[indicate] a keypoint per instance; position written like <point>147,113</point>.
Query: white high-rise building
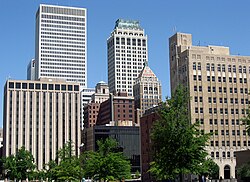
<point>61,50</point>
<point>127,52</point>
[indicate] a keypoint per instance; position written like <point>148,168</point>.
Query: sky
<point>213,22</point>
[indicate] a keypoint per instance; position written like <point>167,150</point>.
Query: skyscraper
<point>127,51</point>
<point>61,45</point>
<point>147,90</point>
<point>218,84</point>
<point>42,116</point>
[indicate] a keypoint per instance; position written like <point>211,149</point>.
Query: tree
<point>178,145</point>
<point>244,171</point>
<point>106,163</point>
<point>210,168</point>
<point>21,166</point>
<point>246,120</point>
<point>69,167</point>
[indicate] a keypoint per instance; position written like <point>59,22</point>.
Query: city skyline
<point>210,23</point>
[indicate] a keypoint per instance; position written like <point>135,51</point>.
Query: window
<point>195,88</point>
<point>208,67</point>
<point>235,80</point>
<point>234,68</point>
<point>209,99</point>
<point>194,66</point>
<point>199,66</point>
<point>219,79</point>
<point>213,78</point>
<point>195,77</point>
<point>224,79</point>
<point>228,154</point>
<point>201,100</point>
<point>229,68</point>
<point>199,77</point>
<point>212,67</point>
<point>201,110</point>
<point>208,78</point>
<point>215,111</point>
<point>196,110</point>
<point>195,99</point>
<point>200,88</point>
<point>208,89</point>
<point>225,100</point>
<point>214,89</point>
<point>214,100</point>
<point>218,67</point>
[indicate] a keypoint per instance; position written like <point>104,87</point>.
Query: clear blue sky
<point>213,22</point>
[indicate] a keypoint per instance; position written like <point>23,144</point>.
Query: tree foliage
<point>106,163</point>
<point>69,167</point>
<point>210,168</point>
<point>244,171</point>
<point>20,166</point>
<point>178,145</point>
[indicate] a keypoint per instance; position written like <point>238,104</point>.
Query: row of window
<point>222,121</point>
<point>129,41</point>
<point>213,89</point>
<point>220,79</point>
<point>226,132</point>
<point>63,22</point>
<point>64,41</point>
<point>221,110</point>
<point>223,154</point>
<point>53,62</point>
<point>60,27</point>
<point>221,100</point>
<point>68,18</point>
<point>62,49</point>
<point>227,143</point>
<point>221,67</point>
<point>43,86</point>
<point>60,45</point>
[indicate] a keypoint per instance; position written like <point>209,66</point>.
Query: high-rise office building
<point>31,70</point>
<point>147,90</point>
<point>42,116</point>
<point>218,84</point>
<point>127,51</point>
<point>61,43</point>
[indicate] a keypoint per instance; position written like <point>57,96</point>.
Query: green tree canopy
<point>69,167</point>
<point>106,163</point>
<point>20,166</point>
<point>244,171</point>
<point>178,145</point>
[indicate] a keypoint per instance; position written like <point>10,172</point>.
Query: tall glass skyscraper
<point>127,52</point>
<point>61,50</point>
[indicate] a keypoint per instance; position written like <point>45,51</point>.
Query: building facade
<point>31,70</point>
<point>41,116</point>
<point>127,51</point>
<point>118,108</point>
<point>101,92</point>
<point>147,90</point>
<point>86,98</point>
<point>218,84</point>
<point>61,43</point>
<point>127,137</point>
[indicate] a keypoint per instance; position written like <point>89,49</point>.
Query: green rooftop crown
<point>128,24</point>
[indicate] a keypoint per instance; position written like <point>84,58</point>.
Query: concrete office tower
<point>42,116</point>
<point>101,92</point>
<point>218,84</point>
<point>147,90</point>
<point>31,70</point>
<point>61,43</point>
<point>127,51</point>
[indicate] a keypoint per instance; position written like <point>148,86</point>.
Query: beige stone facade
<point>147,91</point>
<point>42,116</point>
<point>219,85</point>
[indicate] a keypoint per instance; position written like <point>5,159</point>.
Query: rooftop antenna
<point>199,43</point>
<point>174,29</point>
